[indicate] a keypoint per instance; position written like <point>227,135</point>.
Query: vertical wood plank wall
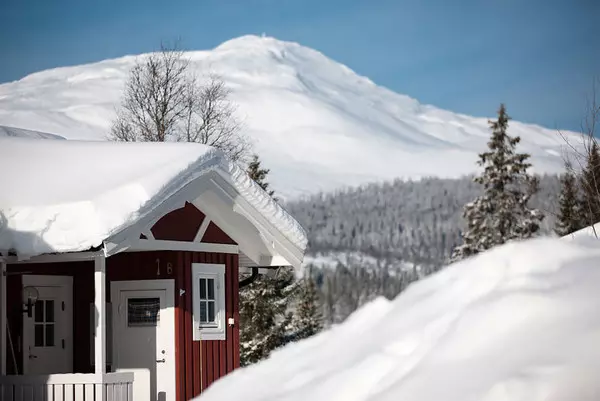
<point>198,363</point>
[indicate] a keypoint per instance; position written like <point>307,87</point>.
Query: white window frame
<point>217,273</point>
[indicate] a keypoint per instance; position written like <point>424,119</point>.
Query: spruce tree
<point>590,185</point>
<point>259,174</point>
<point>501,213</point>
<point>569,217</point>
<point>308,319</point>
<point>265,318</point>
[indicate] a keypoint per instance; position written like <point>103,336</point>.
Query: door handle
<point>163,352</point>
<point>31,356</point>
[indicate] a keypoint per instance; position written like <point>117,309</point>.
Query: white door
<point>144,335</point>
<point>47,334</point>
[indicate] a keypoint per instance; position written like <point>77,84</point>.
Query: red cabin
<point>120,267</point>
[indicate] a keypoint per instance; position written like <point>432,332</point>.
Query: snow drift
<point>518,323</point>
<point>316,124</point>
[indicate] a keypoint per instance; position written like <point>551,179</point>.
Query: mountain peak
<point>246,41</point>
<point>315,123</point>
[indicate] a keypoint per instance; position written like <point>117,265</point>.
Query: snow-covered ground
<point>518,323</point>
<point>316,124</point>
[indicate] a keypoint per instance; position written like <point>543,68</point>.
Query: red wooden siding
<point>198,363</point>
<point>179,225</point>
<point>214,235</point>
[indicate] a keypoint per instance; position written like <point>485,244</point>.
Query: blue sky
<point>537,56</point>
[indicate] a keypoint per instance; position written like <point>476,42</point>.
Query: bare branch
<point>164,101</point>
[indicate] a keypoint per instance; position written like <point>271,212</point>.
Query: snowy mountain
<point>316,124</point>
<point>517,323</point>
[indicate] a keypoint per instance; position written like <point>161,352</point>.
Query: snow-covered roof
<point>519,322</point>
<point>67,196</point>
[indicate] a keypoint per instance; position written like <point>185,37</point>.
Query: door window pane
<point>49,310</point>
<point>39,335</point>
<point>38,311</point>
<point>143,311</point>
<point>49,335</point>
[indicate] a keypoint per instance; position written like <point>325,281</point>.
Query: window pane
<point>39,335</point>
<point>39,311</point>
<point>211,288</point>
<point>202,311</point>
<point>211,312</point>
<point>49,335</point>
<point>50,310</point>
<point>143,311</point>
<point>202,288</point>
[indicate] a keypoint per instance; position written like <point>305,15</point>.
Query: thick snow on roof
<point>518,323</point>
<point>62,196</point>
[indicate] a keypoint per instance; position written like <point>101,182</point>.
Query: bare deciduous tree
<point>586,166</point>
<point>210,118</point>
<point>164,101</point>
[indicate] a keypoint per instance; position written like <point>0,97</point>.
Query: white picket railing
<point>68,387</point>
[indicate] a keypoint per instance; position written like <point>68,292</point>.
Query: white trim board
<point>162,245</point>
<point>202,230</point>
<point>56,258</point>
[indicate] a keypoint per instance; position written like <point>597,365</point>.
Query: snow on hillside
<point>24,133</point>
<point>317,124</point>
<point>518,323</point>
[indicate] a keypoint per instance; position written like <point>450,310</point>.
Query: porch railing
<point>68,387</point>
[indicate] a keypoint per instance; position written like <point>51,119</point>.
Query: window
<point>143,312</point>
<point>44,323</point>
<point>208,294</point>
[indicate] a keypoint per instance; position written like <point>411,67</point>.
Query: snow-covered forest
<point>376,239</point>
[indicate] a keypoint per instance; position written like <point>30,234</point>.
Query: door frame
<point>140,285</point>
<point>40,280</point>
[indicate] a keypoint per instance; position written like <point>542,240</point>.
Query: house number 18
<point>169,268</point>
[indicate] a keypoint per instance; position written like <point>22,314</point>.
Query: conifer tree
<point>259,174</point>
<point>265,318</point>
<point>590,185</point>
<point>308,318</point>
<point>501,213</point>
<point>569,217</point>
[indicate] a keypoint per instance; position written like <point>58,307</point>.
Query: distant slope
<point>25,133</point>
<point>316,124</point>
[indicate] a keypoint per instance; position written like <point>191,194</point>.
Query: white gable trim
<point>202,229</point>
<point>277,240</point>
<point>125,238</point>
<point>56,258</point>
<point>217,181</point>
<point>148,234</point>
<point>164,245</point>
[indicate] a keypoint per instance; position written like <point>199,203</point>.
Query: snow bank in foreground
<point>518,323</point>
